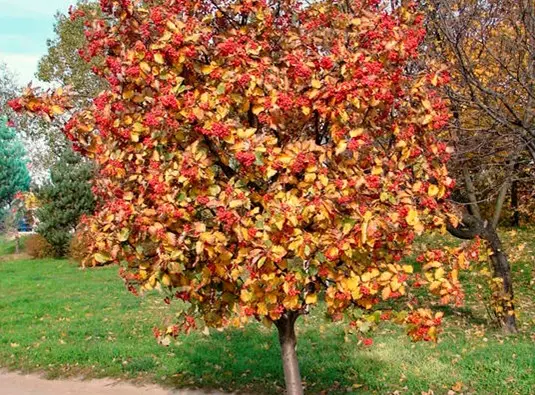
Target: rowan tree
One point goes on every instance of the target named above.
(257, 157)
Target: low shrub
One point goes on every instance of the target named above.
(37, 247)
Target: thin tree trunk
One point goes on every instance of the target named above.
(17, 244)
(499, 204)
(515, 219)
(288, 342)
(502, 270)
(470, 189)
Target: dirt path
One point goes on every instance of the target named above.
(17, 384)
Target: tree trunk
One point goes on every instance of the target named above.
(502, 270)
(470, 189)
(288, 342)
(515, 219)
(17, 244)
(504, 306)
(499, 204)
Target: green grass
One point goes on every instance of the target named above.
(57, 318)
(8, 247)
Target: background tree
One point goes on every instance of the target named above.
(64, 199)
(8, 88)
(62, 64)
(256, 157)
(489, 47)
(14, 175)
(34, 132)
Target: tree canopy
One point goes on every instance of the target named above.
(258, 156)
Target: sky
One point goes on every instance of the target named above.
(25, 25)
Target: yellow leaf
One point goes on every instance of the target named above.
(306, 110)
(395, 284)
(102, 257)
(356, 132)
(257, 109)
(123, 234)
(377, 170)
(166, 280)
(364, 232)
(419, 228)
(352, 283)
(236, 203)
(199, 113)
(431, 265)
(434, 80)
(158, 58)
(412, 217)
(311, 299)
(270, 172)
(138, 127)
(385, 276)
(433, 190)
(57, 110)
(408, 269)
(316, 84)
(247, 133)
(207, 69)
(366, 277)
(439, 273)
(261, 309)
(427, 119)
(145, 67)
(128, 94)
(246, 296)
(341, 147)
(434, 285)
(291, 302)
(385, 294)
(278, 252)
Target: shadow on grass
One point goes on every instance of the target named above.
(465, 313)
(248, 361)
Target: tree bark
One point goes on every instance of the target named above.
(288, 342)
(472, 227)
(471, 190)
(515, 219)
(499, 204)
(17, 244)
(502, 270)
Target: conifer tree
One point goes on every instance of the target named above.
(14, 175)
(65, 199)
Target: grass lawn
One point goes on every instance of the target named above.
(65, 321)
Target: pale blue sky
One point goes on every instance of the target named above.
(25, 25)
